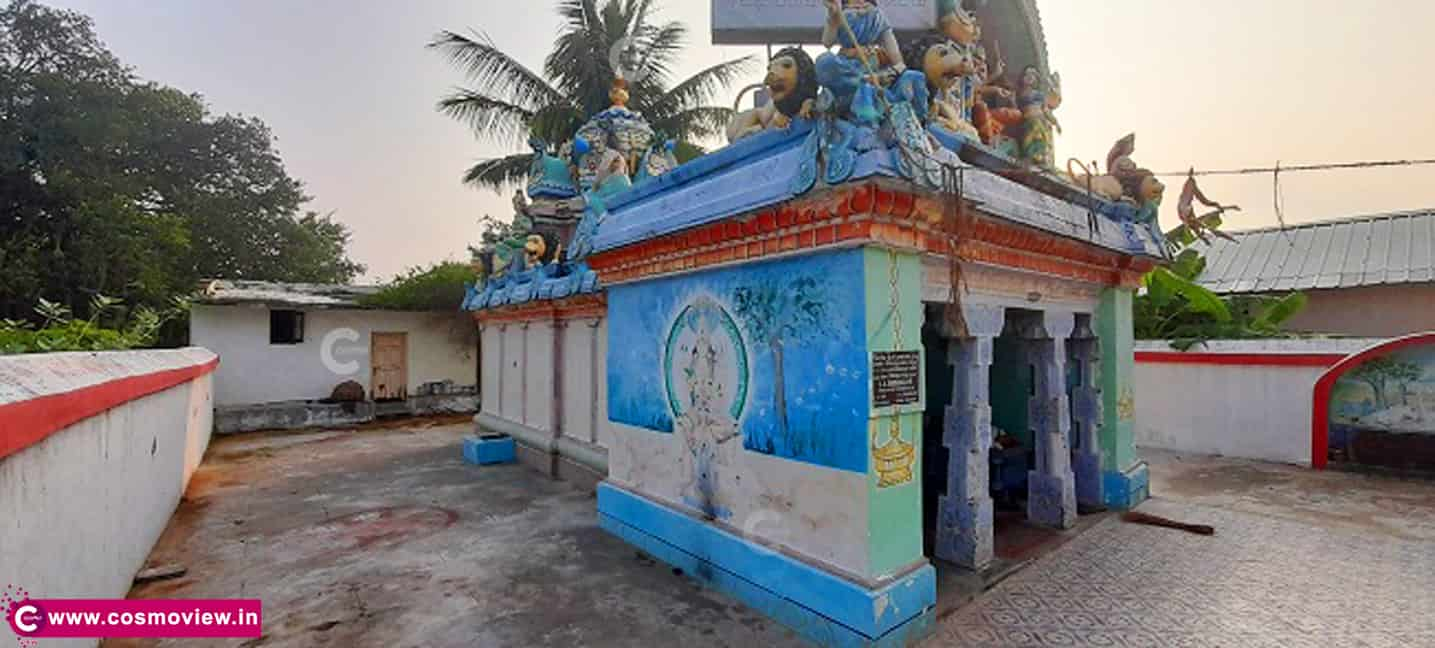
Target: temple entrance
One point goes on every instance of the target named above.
(934, 452)
(1011, 433)
(1012, 380)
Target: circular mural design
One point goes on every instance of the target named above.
(705, 364)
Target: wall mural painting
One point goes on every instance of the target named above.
(766, 358)
(1382, 411)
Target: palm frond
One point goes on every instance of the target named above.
(502, 75)
(500, 174)
(578, 14)
(556, 124)
(695, 123)
(492, 120)
(658, 50)
(578, 66)
(697, 90)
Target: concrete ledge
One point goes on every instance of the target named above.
(290, 415)
(95, 452)
(300, 414)
(536, 458)
(1125, 490)
(43, 393)
(817, 604)
(578, 474)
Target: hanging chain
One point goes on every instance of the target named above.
(894, 459)
(895, 429)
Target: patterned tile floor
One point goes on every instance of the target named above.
(1260, 581)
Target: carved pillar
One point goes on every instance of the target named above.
(964, 514)
(499, 404)
(1086, 410)
(560, 326)
(1051, 485)
(596, 374)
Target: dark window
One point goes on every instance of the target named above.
(286, 327)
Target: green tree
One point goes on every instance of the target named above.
(1380, 372)
(109, 327)
(440, 287)
(777, 313)
(114, 186)
(508, 102)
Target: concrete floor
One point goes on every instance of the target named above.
(384, 537)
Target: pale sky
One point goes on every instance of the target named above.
(349, 90)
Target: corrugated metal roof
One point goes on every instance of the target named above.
(1362, 251)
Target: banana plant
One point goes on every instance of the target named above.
(1174, 306)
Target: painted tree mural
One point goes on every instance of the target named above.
(1381, 372)
(779, 313)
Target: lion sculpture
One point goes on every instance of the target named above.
(792, 85)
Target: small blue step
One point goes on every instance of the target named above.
(488, 449)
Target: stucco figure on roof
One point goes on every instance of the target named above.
(792, 89)
(1208, 223)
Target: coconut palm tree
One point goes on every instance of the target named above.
(507, 102)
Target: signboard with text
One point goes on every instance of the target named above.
(896, 378)
(759, 22)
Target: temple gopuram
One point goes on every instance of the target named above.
(809, 365)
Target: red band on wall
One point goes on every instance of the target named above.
(25, 423)
(1242, 359)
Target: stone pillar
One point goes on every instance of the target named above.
(1051, 485)
(1085, 356)
(964, 514)
(1125, 481)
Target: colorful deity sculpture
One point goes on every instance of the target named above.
(994, 108)
(548, 176)
(867, 60)
(1036, 101)
(617, 129)
(792, 87)
(660, 159)
(943, 66)
(958, 24)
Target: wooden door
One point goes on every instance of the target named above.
(389, 353)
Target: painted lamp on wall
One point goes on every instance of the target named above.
(894, 460)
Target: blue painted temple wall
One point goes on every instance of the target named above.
(803, 313)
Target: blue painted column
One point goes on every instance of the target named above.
(1051, 486)
(964, 514)
(1086, 411)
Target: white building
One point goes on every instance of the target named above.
(283, 349)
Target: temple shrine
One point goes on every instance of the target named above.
(807, 366)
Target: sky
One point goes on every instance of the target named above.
(349, 90)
